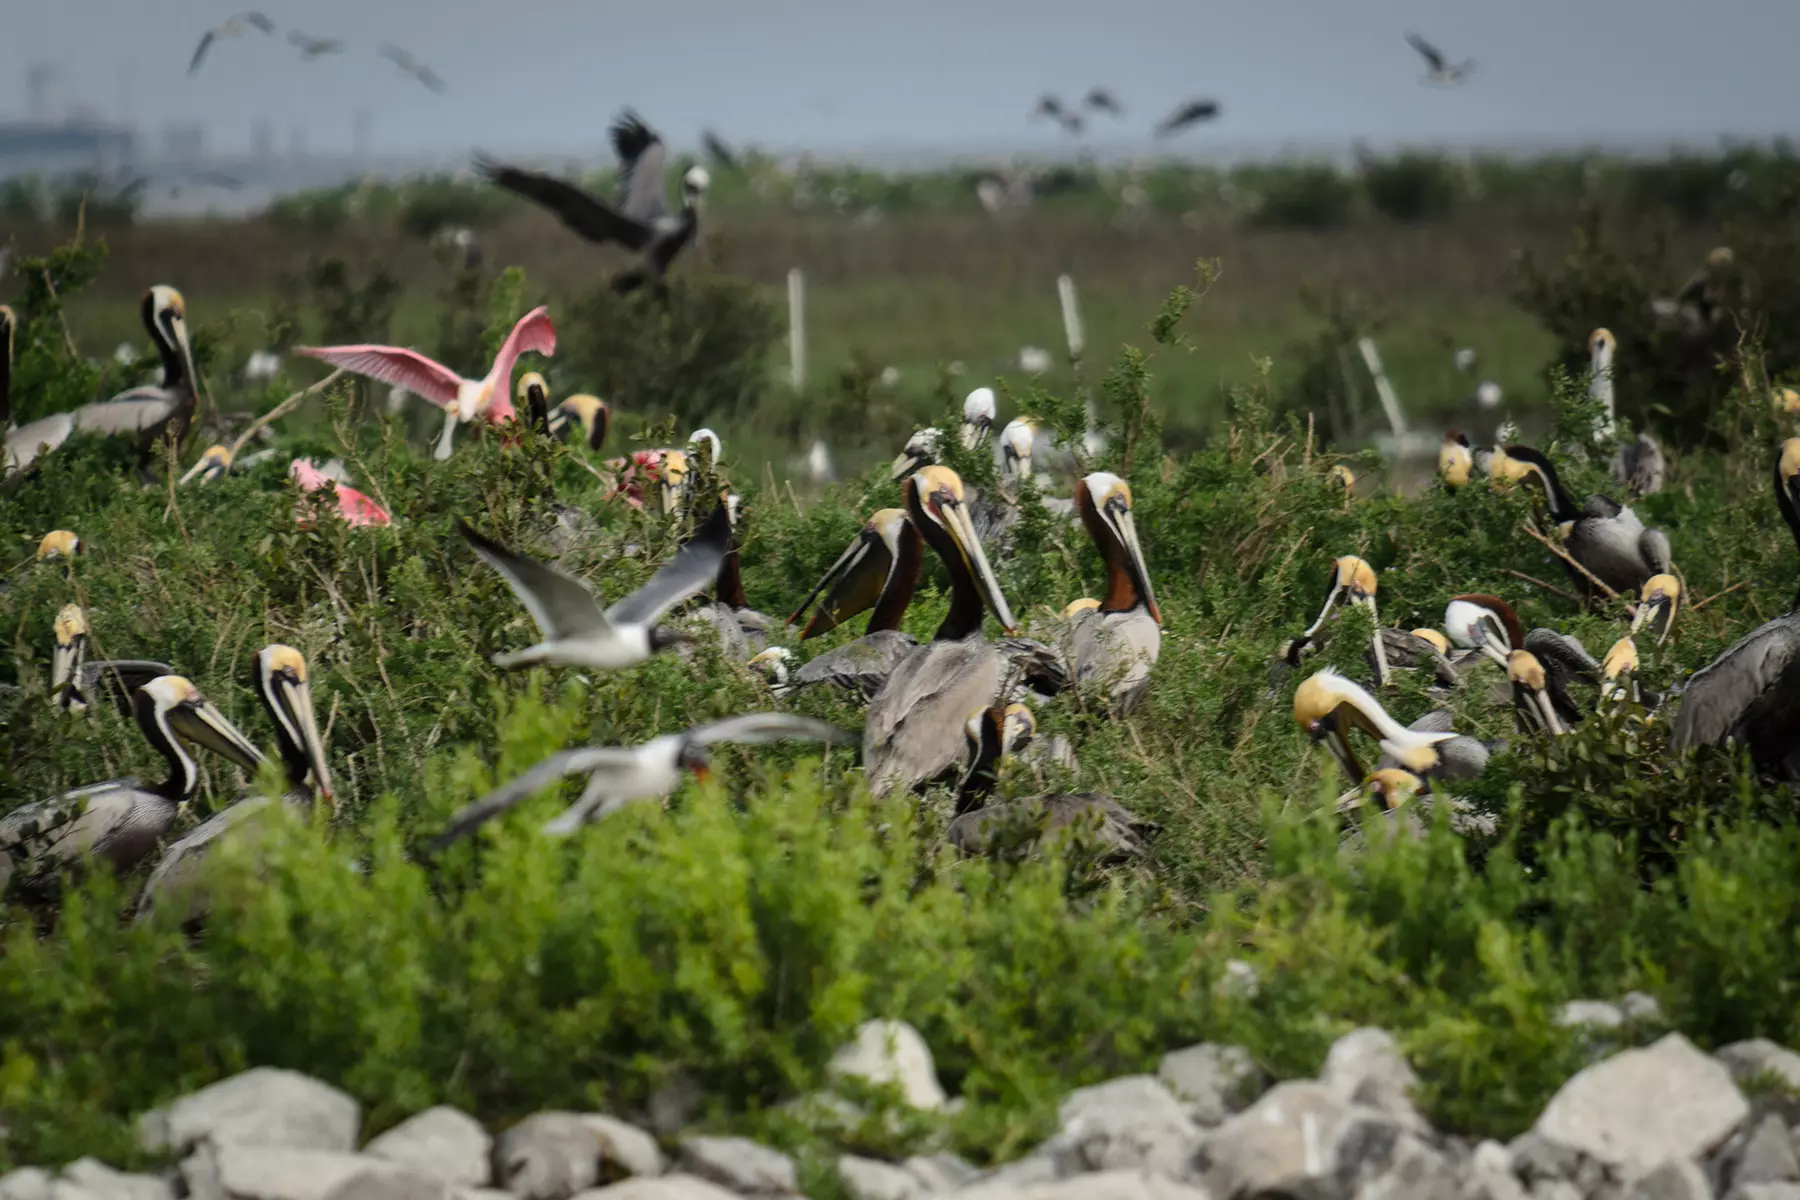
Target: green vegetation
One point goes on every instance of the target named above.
(738, 937)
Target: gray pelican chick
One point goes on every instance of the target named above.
(1117, 642)
(120, 821)
(279, 674)
(576, 631)
(880, 569)
(914, 731)
(619, 775)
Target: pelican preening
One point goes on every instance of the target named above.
(1115, 643)
(1352, 581)
(1531, 698)
(461, 399)
(58, 543)
(1016, 442)
(640, 222)
(576, 630)
(214, 463)
(1475, 621)
(1328, 706)
(236, 26)
(618, 775)
(979, 411)
(1606, 538)
(879, 570)
(1657, 603)
(914, 729)
(120, 821)
(590, 414)
(1438, 69)
(1456, 462)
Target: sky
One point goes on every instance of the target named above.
(546, 76)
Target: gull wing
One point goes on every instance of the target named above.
(612, 760)
(562, 605)
(642, 157)
(578, 211)
(1433, 56)
(206, 42)
(259, 20)
(758, 728)
(689, 572)
(394, 366)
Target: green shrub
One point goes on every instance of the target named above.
(1411, 186)
(1308, 197)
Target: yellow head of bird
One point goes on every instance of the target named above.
(1342, 476)
(1315, 700)
(70, 624)
(1018, 725)
(1393, 787)
(1085, 604)
(59, 543)
(935, 486)
(1435, 638)
(1789, 464)
(1660, 587)
(1785, 400)
(286, 658)
(530, 380)
(1355, 576)
(1601, 342)
(1105, 487)
(1522, 666)
(1455, 461)
(165, 299)
(1621, 658)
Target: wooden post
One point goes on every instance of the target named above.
(1383, 388)
(797, 329)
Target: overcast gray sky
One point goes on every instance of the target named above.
(547, 75)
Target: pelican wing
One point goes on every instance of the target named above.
(1653, 544)
(394, 366)
(1434, 58)
(759, 728)
(579, 212)
(563, 606)
(690, 572)
(642, 156)
(618, 761)
(914, 730)
(206, 42)
(128, 412)
(1719, 697)
(1562, 653)
(47, 433)
(860, 666)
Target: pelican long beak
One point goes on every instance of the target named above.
(962, 528)
(1547, 710)
(851, 585)
(295, 697)
(1658, 613)
(194, 470)
(1337, 736)
(178, 323)
(204, 725)
(1331, 601)
(906, 462)
(1126, 525)
(1381, 662)
(62, 664)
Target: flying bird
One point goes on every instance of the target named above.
(718, 151)
(1102, 100)
(231, 27)
(1192, 112)
(312, 47)
(411, 66)
(1050, 106)
(1440, 70)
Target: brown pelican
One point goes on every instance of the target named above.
(1476, 621)
(921, 451)
(74, 682)
(1531, 700)
(534, 400)
(1329, 706)
(1438, 69)
(1657, 602)
(914, 728)
(213, 464)
(1751, 693)
(880, 569)
(1619, 672)
(58, 543)
(577, 632)
(1455, 461)
(618, 775)
(279, 675)
(1604, 537)
(640, 222)
(121, 820)
(1352, 582)
(590, 413)
(230, 27)
(156, 411)
(1563, 659)
(994, 733)
(979, 411)
(1117, 642)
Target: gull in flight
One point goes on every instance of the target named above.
(231, 27)
(411, 66)
(1440, 70)
(312, 47)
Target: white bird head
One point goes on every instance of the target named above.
(1015, 447)
(694, 183)
(709, 439)
(979, 411)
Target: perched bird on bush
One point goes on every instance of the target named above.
(1116, 643)
(1606, 538)
(75, 682)
(619, 775)
(1328, 706)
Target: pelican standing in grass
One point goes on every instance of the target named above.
(120, 821)
(880, 569)
(461, 399)
(576, 631)
(76, 682)
(1352, 581)
(914, 731)
(1607, 539)
(279, 675)
(619, 775)
(1328, 706)
(1115, 643)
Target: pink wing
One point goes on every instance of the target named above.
(534, 334)
(310, 477)
(393, 365)
(500, 409)
(358, 509)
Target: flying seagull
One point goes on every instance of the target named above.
(1050, 106)
(1102, 100)
(1191, 112)
(312, 47)
(718, 151)
(231, 27)
(411, 66)
(1439, 69)
(618, 775)
(576, 630)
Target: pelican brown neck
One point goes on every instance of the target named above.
(902, 582)
(979, 783)
(1562, 508)
(1787, 485)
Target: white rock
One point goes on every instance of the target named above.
(869, 1179)
(1589, 1014)
(264, 1106)
(1640, 1006)
(1105, 1185)
(1277, 1143)
(283, 1173)
(391, 1181)
(1677, 1179)
(1640, 1108)
(941, 1172)
(1765, 1191)
(101, 1182)
(1006, 1180)
(443, 1141)
(892, 1052)
(628, 1149)
(26, 1183)
(739, 1164)
(1213, 1081)
(1365, 1066)
(1121, 1124)
(667, 1187)
(1766, 1155)
(547, 1156)
(1490, 1175)
(1759, 1056)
